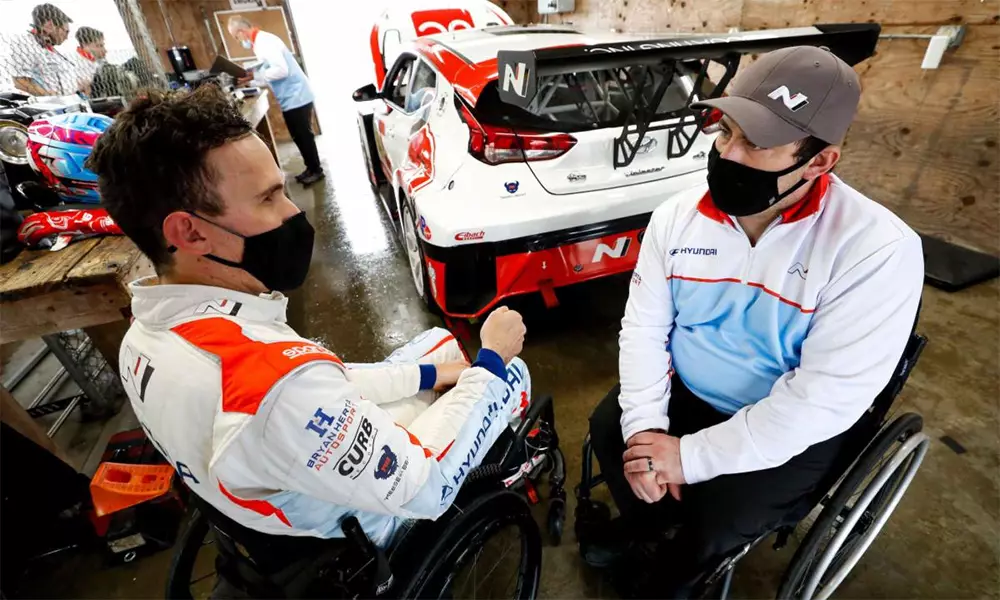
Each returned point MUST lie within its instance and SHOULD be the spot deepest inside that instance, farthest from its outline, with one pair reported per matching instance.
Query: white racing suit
(281, 436)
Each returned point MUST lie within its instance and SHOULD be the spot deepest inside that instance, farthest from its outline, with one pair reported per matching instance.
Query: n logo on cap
(792, 103)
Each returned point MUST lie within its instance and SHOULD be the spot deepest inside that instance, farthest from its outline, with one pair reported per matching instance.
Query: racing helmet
(58, 147)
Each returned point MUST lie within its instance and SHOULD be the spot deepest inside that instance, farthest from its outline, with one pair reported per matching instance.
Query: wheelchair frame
(355, 567)
(882, 471)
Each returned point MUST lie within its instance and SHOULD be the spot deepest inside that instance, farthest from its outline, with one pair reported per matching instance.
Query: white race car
(547, 176)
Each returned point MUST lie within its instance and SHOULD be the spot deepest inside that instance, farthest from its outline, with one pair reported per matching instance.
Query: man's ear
(180, 230)
(824, 162)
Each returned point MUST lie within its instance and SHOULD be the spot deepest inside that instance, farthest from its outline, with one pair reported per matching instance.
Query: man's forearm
(28, 86)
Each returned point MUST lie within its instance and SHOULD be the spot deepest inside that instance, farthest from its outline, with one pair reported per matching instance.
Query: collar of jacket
(160, 305)
(809, 205)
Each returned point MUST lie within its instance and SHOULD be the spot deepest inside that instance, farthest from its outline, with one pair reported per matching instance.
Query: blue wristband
(492, 362)
(428, 376)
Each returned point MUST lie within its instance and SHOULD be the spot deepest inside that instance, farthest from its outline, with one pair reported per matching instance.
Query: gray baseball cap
(792, 93)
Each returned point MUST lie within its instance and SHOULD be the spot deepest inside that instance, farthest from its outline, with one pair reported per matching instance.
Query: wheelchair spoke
(482, 582)
(202, 578)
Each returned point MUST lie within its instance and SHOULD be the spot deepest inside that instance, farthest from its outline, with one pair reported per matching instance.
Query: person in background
(90, 56)
(38, 68)
(282, 72)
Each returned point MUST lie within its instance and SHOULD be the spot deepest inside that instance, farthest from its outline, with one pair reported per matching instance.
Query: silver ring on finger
(649, 463)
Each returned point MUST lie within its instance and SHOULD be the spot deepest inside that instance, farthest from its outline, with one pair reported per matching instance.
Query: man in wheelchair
(765, 314)
(271, 430)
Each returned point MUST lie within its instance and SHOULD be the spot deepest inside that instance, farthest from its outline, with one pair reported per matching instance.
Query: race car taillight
(496, 145)
(712, 119)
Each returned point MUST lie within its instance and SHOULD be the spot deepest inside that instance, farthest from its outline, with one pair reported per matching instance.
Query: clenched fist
(503, 332)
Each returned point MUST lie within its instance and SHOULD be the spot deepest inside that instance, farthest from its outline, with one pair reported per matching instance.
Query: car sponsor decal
(649, 171)
(359, 453)
(512, 186)
(425, 230)
(469, 236)
(619, 250)
(418, 169)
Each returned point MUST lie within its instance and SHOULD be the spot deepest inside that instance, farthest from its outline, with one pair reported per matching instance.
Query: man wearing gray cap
(766, 312)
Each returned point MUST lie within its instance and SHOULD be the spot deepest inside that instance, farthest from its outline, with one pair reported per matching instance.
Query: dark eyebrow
(274, 188)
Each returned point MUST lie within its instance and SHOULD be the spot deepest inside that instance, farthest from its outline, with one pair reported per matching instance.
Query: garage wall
(925, 142)
(187, 24)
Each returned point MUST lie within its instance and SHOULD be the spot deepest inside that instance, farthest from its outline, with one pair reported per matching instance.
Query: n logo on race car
(620, 249)
(514, 79)
(791, 102)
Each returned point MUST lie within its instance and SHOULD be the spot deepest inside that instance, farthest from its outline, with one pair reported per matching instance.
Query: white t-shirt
(45, 66)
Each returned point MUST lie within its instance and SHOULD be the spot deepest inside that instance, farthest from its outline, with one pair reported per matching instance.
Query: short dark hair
(151, 161)
(809, 147)
(88, 35)
(43, 13)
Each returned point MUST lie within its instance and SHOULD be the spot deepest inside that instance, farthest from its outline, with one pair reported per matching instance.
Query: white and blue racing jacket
(278, 434)
(794, 336)
(279, 69)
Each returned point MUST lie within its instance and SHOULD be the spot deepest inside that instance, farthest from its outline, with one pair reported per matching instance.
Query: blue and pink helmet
(58, 147)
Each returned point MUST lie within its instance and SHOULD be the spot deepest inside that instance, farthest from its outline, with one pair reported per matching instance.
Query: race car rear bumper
(467, 281)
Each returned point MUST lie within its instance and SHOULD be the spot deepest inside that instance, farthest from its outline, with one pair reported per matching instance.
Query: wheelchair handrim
(915, 447)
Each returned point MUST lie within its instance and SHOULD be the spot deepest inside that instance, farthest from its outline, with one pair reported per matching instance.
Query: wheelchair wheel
(192, 568)
(492, 550)
(856, 512)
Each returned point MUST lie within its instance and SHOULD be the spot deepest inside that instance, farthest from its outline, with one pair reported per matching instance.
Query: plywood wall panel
(522, 11)
(925, 141)
(681, 16)
(762, 14)
(596, 15)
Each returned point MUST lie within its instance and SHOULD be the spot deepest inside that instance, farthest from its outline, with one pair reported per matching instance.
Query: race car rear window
(583, 101)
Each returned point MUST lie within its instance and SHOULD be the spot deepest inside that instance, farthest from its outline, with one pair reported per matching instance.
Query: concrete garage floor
(942, 542)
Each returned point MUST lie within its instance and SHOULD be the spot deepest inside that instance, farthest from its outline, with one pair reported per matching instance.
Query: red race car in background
(520, 159)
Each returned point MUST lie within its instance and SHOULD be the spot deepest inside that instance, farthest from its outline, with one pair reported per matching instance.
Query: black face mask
(741, 191)
(278, 258)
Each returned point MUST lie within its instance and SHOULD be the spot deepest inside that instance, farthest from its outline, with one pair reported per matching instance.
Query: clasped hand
(653, 465)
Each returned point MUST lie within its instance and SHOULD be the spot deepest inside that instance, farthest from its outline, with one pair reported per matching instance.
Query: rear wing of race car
(645, 68)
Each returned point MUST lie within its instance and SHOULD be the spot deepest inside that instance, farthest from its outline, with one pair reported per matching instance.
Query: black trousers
(717, 516)
(299, 122)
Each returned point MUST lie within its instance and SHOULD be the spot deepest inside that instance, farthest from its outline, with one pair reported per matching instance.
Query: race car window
(399, 81)
(585, 100)
(422, 85)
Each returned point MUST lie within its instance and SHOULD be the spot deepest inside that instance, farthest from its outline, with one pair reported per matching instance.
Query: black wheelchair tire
(482, 516)
(182, 564)
(902, 428)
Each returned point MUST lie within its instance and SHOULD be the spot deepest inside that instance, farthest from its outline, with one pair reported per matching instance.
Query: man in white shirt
(766, 312)
(279, 69)
(38, 67)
